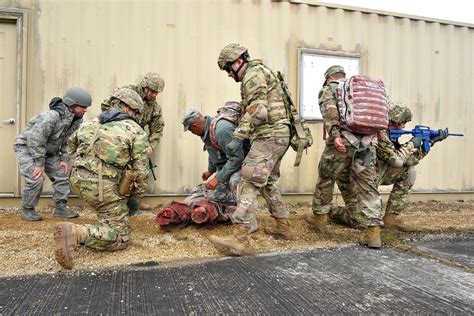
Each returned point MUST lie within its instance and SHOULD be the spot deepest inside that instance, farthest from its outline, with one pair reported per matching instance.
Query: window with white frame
(312, 65)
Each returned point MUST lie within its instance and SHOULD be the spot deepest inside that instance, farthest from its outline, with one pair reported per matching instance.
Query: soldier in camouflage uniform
(348, 158)
(223, 162)
(395, 166)
(265, 123)
(148, 87)
(103, 149)
(41, 149)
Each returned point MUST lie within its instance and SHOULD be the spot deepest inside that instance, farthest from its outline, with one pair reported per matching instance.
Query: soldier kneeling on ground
(395, 166)
(105, 149)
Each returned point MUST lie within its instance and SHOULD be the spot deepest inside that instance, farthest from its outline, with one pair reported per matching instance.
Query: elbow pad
(395, 163)
(257, 114)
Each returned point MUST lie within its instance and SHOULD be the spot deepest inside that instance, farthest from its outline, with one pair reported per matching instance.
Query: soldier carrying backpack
(354, 110)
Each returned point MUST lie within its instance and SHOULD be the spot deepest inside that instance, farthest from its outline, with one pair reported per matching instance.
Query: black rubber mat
(347, 280)
(459, 249)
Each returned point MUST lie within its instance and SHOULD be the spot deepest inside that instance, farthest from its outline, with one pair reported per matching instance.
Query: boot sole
(62, 240)
(65, 216)
(36, 219)
(400, 229)
(278, 235)
(226, 248)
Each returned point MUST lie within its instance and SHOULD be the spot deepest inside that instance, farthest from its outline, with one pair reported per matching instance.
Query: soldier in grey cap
(216, 134)
(41, 149)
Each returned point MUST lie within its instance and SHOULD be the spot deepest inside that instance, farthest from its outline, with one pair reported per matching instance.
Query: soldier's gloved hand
(417, 142)
(442, 135)
(234, 145)
(133, 206)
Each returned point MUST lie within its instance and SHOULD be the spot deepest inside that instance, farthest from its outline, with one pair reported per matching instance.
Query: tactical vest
(277, 113)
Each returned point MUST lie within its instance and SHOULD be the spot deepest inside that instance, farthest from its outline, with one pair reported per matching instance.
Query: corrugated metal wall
(102, 44)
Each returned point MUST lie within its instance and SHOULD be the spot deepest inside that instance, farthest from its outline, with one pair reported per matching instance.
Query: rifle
(151, 165)
(424, 132)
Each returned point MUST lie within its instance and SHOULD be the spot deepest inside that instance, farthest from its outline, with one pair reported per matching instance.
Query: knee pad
(256, 174)
(411, 176)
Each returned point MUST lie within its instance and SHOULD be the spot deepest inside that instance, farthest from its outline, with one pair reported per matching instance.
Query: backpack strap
(212, 133)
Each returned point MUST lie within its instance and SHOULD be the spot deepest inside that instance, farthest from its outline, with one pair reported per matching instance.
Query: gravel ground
(27, 247)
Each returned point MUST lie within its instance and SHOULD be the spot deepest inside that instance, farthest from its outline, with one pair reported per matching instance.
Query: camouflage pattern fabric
(114, 228)
(46, 134)
(152, 80)
(402, 178)
(152, 116)
(33, 187)
(120, 143)
(43, 144)
(355, 170)
(399, 112)
(391, 153)
(362, 181)
(264, 112)
(328, 107)
(229, 54)
(260, 172)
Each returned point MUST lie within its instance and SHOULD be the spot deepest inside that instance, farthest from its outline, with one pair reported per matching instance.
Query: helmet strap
(235, 73)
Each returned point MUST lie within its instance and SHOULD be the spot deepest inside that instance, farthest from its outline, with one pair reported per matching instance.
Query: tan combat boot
(232, 244)
(319, 222)
(282, 229)
(66, 237)
(392, 221)
(371, 237)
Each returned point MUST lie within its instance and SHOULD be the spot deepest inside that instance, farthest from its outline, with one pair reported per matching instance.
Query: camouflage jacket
(46, 134)
(327, 105)
(327, 100)
(221, 160)
(120, 144)
(264, 111)
(389, 152)
(152, 116)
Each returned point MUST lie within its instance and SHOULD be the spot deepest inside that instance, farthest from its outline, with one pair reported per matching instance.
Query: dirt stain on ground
(27, 247)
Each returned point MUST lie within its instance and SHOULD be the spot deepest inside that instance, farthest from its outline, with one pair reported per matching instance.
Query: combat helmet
(77, 96)
(231, 53)
(130, 98)
(153, 81)
(398, 112)
(333, 70)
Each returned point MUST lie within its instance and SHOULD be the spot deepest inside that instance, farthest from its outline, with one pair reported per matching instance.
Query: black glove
(417, 142)
(442, 135)
(133, 206)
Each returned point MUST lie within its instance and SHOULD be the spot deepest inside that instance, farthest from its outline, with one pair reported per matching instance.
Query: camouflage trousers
(260, 172)
(33, 187)
(225, 193)
(355, 174)
(403, 180)
(113, 233)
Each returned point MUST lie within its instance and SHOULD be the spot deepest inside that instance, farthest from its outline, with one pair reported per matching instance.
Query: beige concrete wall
(102, 44)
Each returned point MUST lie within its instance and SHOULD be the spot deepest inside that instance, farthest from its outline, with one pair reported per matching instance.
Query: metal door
(8, 106)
